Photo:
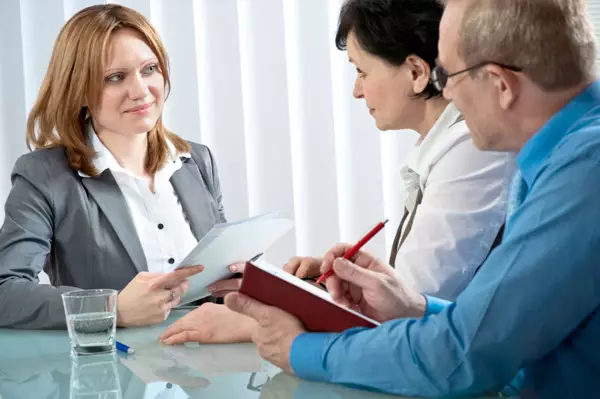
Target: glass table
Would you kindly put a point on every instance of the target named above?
(38, 365)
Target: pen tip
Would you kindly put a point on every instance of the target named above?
(385, 221)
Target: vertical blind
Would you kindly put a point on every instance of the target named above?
(594, 12)
(262, 84)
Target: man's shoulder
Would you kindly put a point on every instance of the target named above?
(582, 140)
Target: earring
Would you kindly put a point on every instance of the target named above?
(86, 114)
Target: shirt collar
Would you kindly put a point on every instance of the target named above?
(104, 159)
(539, 147)
(435, 141)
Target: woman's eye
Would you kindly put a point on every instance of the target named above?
(114, 78)
(150, 69)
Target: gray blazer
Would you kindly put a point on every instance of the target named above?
(80, 232)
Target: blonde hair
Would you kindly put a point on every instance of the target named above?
(553, 41)
(75, 77)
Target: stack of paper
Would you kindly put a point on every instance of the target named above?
(228, 243)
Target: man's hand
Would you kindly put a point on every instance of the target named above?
(276, 330)
(370, 286)
(210, 324)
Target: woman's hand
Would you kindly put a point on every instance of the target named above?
(210, 324)
(223, 287)
(149, 297)
(304, 267)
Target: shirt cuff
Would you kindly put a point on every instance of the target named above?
(435, 305)
(306, 356)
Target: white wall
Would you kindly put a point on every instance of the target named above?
(262, 84)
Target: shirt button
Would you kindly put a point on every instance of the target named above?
(160, 226)
(171, 261)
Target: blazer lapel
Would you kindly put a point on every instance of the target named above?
(109, 198)
(194, 197)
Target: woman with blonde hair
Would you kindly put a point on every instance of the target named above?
(108, 198)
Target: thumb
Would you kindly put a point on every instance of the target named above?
(355, 274)
(176, 277)
(247, 306)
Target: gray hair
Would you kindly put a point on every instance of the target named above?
(553, 41)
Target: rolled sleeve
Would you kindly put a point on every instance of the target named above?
(435, 305)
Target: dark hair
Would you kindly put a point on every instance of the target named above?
(393, 30)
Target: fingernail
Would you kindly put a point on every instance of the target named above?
(233, 268)
(211, 288)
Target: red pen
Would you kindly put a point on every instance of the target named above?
(352, 251)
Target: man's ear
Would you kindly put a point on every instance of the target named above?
(506, 85)
(420, 72)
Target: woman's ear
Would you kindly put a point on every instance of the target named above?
(420, 73)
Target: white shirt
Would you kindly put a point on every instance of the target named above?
(465, 192)
(162, 228)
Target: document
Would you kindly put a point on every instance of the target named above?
(228, 243)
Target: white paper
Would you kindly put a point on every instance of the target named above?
(229, 243)
(277, 272)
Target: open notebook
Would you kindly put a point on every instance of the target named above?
(313, 306)
(228, 243)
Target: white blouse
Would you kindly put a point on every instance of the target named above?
(465, 192)
(162, 228)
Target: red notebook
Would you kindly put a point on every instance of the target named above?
(313, 306)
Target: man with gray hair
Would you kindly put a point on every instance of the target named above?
(523, 74)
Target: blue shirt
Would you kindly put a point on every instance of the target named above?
(533, 307)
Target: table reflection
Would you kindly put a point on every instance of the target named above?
(95, 377)
(155, 371)
(37, 365)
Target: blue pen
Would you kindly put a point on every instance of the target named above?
(124, 348)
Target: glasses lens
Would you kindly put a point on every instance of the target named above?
(439, 77)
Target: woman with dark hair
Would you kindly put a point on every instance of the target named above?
(455, 194)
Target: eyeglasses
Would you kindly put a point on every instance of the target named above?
(440, 76)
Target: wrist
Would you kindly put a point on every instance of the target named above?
(418, 306)
(120, 319)
(421, 305)
(121, 316)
